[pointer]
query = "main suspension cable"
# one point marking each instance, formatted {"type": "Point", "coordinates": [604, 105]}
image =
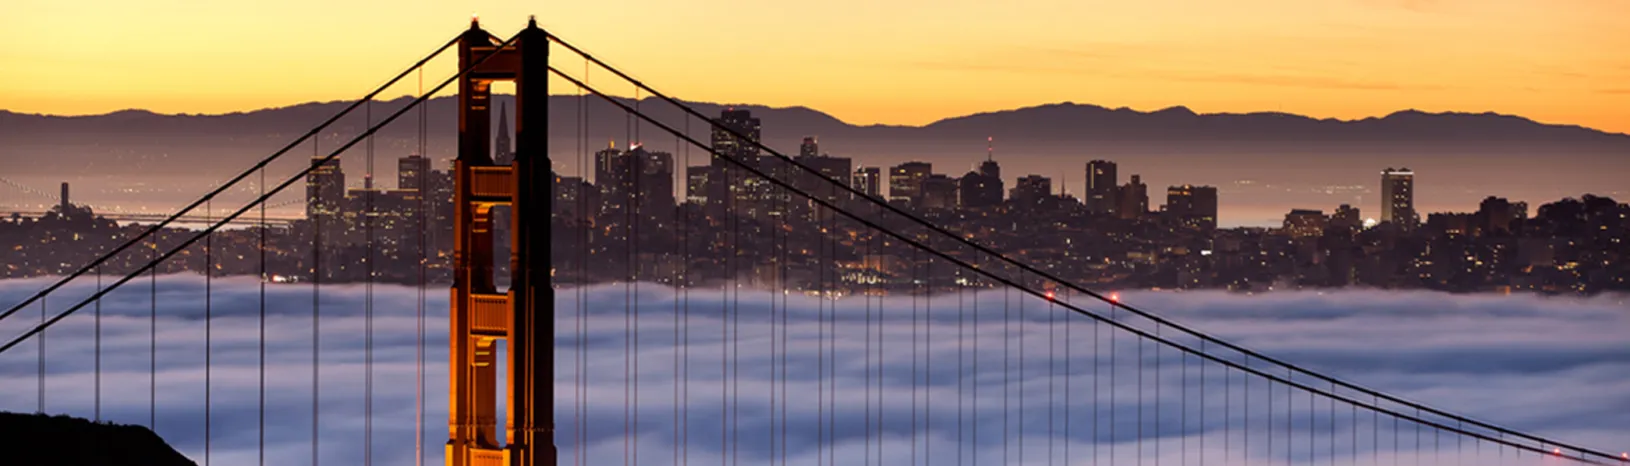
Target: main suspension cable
{"type": "Point", "coordinates": [1115, 303]}
{"type": "Point", "coordinates": [240, 211]}
{"type": "Point", "coordinates": [225, 186]}
{"type": "Point", "coordinates": [1140, 333]}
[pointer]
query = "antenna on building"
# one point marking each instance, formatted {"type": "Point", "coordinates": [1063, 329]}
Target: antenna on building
{"type": "Point", "coordinates": [990, 148]}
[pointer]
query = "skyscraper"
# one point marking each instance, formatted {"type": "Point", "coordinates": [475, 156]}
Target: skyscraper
{"type": "Point", "coordinates": [978, 190]}
{"type": "Point", "coordinates": [1101, 187]}
{"type": "Point", "coordinates": [727, 182]}
{"type": "Point", "coordinates": [1133, 199]}
{"type": "Point", "coordinates": [501, 152]}
{"type": "Point", "coordinates": [325, 188]}
{"type": "Point", "coordinates": [696, 183]}
{"type": "Point", "coordinates": [982, 187]}
{"type": "Point", "coordinates": [1305, 223]}
{"type": "Point", "coordinates": [1031, 190]}
{"type": "Point", "coordinates": [1398, 198]}
{"type": "Point", "coordinates": [836, 169]}
{"type": "Point", "coordinates": [906, 182]}
{"type": "Point", "coordinates": [411, 172]}
{"type": "Point", "coordinates": [869, 181]}
{"type": "Point", "coordinates": [809, 148]}
{"type": "Point", "coordinates": [939, 192]}
{"type": "Point", "coordinates": [1347, 217]}
{"type": "Point", "coordinates": [1194, 206]}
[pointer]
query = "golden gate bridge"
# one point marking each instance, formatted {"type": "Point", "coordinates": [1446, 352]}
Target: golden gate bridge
{"type": "Point", "coordinates": [520, 372]}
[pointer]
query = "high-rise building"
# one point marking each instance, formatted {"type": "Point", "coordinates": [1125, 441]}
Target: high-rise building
{"type": "Point", "coordinates": [939, 192]}
{"type": "Point", "coordinates": [809, 148]}
{"type": "Point", "coordinates": [575, 198]}
{"type": "Point", "coordinates": [325, 188]}
{"type": "Point", "coordinates": [727, 182]}
{"type": "Point", "coordinates": [613, 175]}
{"type": "Point", "coordinates": [696, 183]}
{"type": "Point", "coordinates": [1347, 217]}
{"type": "Point", "coordinates": [502, 153]}
{"type": "Point", "coordinates": [634, 182]}
{"type": "Point", "coordinates": [1496, 214]}
{"type": "Point", "coordinates": [1194, 206]}
{"type": "Point", "coordinates": [1133, 199]}
{"type": "Point", "coordinates": [977, 190]}
{"type": "Point", "coordinates": [1398, 198]}
{"type": "Point", "coordinates": [68, 206]}
{"type": "Point", "coordinates": [411, 172]}
{"type": "Point", "coordinates": [838, 170]}
{"type": "Point", "coordinates": [1031, 190]}
{"type": "Point", "coordinates": [869, 181]}
{"type": "Point", "coordinates": [1102, 187]}
{"type": "Point", "coordinates": [1304, 223]}
{"type": "Point", "coordinates": [906, 182]}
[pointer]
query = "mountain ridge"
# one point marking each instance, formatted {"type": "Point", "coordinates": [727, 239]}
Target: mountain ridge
{"type": "Point", "coordinates": [1079, 109]}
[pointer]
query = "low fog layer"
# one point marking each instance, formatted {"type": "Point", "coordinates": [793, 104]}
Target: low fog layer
{"type": "Point", "coordinates": [1557, 367]}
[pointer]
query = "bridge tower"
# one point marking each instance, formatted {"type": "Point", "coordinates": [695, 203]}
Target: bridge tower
{"type": "Point", "coordinates": [523, 316]}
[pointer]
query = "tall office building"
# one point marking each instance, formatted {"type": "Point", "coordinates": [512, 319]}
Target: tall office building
{"type": "Point", "coordinates": [325, 188]}
{"type": "Point", "coordinates": [1305, 223]}
{"type": "Point", "coordinates": [612, 174]}
{"type": "Point", "coordinates": [982, 187]}
{"type": "Point", "coordinates": [1398, 198]}
{"type": "Point", "coordinates": [502, 153]}
{"type": "Point", "coordinates": [1031, 190]}
{"type": "Point", "coordinates": [1133, 199]}
{"type": "Point", "coordinates": [634, 182]}
{"type": "Point", "coordinates": [727, 182]}
{"type": "Point", "coordinates": [906, 182]}
{"type": "Point", "coordinates": [978, 190]}
{"type": "Point", "coordinates": [1347, 217]}
{"type": "Point", "coordinates": [411, 172]}
{"type": "Point", "coordinates": [809, 148]}
{"type": "Point", "coordinates": [1102, 187]}
{"type": "Point", "coordinates": [836, 169]}
{"type": "Point", "coordinates": [869, 181]}
{"type": "Point", "coordinates": [696, 182]}
{"type": "Point", "coordinates": [939, 192]}
{"type": "Point", "coordinates": [1194, 206]}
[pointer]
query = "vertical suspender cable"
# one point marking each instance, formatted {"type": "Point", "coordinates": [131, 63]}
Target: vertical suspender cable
{"type": "Point", "coordinates": [261, 413]}
{"type": "Point", "coordinates": [423, 217]}
{"type": "Point", "coordinates": [316, 307]}
{"type": "Point", "coordinates": [368, 300]}
{"type": "Point", "coordinates": [961, 362]}
{"type": "Point", "coordinates": [40, 398]}
{"type": "Point", "coordinates": [637, 209]}
{"type": "Point", "coordinates": [678, 284]}
{"type": "Point", "coordinates": [209, 322]}
{"type": "Point", "coordinates": [1052, 385]}
{"type": "Point", "coordinates": [98, 347]}
{"type": "Point", "coordinates": [152, 343]}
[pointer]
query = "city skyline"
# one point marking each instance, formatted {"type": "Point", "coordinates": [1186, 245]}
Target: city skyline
{"type": "Point", "coordinates": [1555, 62]}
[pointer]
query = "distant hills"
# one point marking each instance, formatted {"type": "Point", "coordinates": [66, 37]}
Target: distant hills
{"type": "Point", "coordinates": [1052, 122]}
{"type": "Point", "coordinates": [27, 439]}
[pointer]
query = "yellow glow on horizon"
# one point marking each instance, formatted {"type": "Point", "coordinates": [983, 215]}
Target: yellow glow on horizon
{"type": "Point", "coordinates": [864, 61]}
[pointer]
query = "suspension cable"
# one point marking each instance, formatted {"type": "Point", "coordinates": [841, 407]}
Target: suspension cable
{"type": "Point", "coordinates": [1043, 274]}
{"type": "Point", "coordinates": [240, 211]}
{"type": "Point", "coordinates": [225, 186]}
{"type": "Point", "coordinates": [1140, 333]}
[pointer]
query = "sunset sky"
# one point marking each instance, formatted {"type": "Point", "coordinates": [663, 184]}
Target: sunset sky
{"type": "Point", "coordinates": [865, 61]}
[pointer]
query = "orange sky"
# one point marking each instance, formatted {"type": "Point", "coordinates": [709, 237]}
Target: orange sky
{"type": "Point", "coordinates": [865, 61]}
